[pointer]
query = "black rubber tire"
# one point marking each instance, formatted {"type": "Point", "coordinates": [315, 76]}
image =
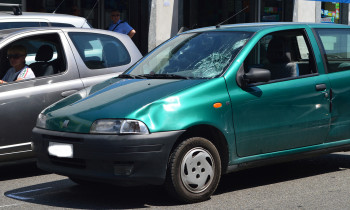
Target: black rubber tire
{"type": "Point", "coordinates": [202, 156]}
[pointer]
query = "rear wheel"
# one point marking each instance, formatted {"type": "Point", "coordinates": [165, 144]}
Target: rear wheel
{"type": "Point", "coordinates": [194, 170]}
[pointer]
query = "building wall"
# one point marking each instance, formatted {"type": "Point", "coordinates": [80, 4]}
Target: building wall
{"type": "Point", "coordinates": [158, 20]}
{"type": "Point", "coordinates": [163, 21]}
{"type": "Point", "coordinates": [306, 11]}
{"type": "Point", "coordinates": [167, 17]}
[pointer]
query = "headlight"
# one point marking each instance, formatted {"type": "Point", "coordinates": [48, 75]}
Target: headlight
{"type": "Point", "coordinates": [111, 126]}
{"type": "Point", "coordinates": [41, 121]}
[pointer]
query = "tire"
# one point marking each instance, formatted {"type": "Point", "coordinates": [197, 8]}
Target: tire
{"type": "Point", "coordinates": [194, 170]}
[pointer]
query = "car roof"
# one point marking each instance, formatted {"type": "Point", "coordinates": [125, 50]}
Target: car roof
{"type": "Point", "coordinates": [9, 32]}
{"type": "Point", "coordinates": [50, 17]}
{"type": "Point", "coordinates": [255, 27]}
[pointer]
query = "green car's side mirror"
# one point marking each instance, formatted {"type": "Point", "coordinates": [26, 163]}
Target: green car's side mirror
{"type": "Point", "coordinates": [255, 75]}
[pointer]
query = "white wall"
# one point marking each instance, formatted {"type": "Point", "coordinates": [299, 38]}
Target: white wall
{"type": "Point", "coordinates": [306, 11]}
{"type": "Point", "coordinates": [163, 21]}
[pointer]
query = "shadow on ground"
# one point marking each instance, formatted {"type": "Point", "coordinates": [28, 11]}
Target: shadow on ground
{"type": "Point", "coordinates": [17, 170]}
{"type": "Point", "coordinates": [283, 172]}
{"type": "Point", "coordinates": [66, 194]}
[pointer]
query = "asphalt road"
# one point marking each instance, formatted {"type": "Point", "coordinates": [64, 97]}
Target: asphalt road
{"type": "Point", "coordinates": [317, 183]}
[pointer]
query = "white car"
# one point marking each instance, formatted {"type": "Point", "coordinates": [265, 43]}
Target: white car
{"type": "Point", "coordinates": [19, 19]}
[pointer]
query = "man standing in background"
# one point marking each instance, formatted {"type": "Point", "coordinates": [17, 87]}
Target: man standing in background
{"type": "Point", "coordinates": [119, 25]}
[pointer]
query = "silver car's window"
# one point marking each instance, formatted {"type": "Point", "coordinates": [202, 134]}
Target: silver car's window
{"type": "Point", "coordinates": [100, 51]}
{"type": "Point", "coordinates": [45, 55]}
{"type": "Point", "coordinates": [33, 47]}
{"type": "Point", "coordinates": [194, 55]}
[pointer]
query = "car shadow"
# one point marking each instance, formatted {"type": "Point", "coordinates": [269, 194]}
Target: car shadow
{"type": "Point", "coordinates": [17, 170]}
{"type": "Point", "coordinates": [66, 194]}
{"type": "Point", "coordinates": [283, 172]}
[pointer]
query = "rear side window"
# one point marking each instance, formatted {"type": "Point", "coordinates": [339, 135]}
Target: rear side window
{"type": "Point", "coordinates": [100, 51]}
{"type": "Point", "coordinates": [336, 46]}
{"type": "Point", "coordinates": [61, 25]}
{"type": "Point", "coordinates": [8, 25]}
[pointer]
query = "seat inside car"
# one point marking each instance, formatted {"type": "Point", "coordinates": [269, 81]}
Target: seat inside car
{"type": "Point", "coordinates": [42, 66]}
{"type": "Point", "coordinates": [110, 55]}
{"type": "Point", "coordinates": [280, 59]}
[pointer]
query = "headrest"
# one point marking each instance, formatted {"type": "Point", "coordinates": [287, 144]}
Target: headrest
{"type": "Point", "coordinates": [109, 48]}
{"type": "Point", "coordinates": [278, 51]}
{"type": "Point", "coordinates": [111, 55]}
{"type": "Point", "coordinates": [45, 53]}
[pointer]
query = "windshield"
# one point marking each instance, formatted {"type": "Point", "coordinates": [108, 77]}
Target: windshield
{"type": "Point", "coordinates": [194, 55]}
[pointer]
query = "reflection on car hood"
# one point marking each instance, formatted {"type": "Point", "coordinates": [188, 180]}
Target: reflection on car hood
{"type": "Point", "coordinates": [117, 100]}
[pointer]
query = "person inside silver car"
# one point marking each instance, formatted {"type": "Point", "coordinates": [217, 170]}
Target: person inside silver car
{"type": "Point", "coordinates": [19, 70]}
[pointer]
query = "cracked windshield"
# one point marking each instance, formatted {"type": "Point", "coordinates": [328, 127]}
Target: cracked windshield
{"type": "Point", "coordinates": [193, 56]}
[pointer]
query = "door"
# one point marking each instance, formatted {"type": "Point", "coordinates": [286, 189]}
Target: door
{"type": "Point", "coordinates": [289, 111]}
{"type": "Point", "coordinates": [102, 56]}
{"type": "Point", "coordinates": [22, 101]}
{"type": "Point", "coordinates": [336, 48]}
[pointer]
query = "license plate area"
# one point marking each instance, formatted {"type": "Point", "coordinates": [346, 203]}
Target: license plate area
{"type": "Point", "coordinates": [61, 150]}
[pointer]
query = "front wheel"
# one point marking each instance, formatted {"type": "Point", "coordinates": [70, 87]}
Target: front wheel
{"type": "Point", "coordinates": [194, 170]}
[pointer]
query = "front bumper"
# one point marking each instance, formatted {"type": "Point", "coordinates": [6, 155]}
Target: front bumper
{"type": "Point", "coordinates": [103, 158]}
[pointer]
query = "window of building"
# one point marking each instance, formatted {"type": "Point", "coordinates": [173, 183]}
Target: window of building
{"type": "Point", "coordinates": [330, 12]}
{"type": "Point", "coordinates": [271, 11]}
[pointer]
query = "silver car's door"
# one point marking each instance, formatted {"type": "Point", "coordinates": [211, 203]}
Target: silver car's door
{"type": "Point", "coordinates": [22, 101]}
{"type": "Point", "coordinates": [102, 55]}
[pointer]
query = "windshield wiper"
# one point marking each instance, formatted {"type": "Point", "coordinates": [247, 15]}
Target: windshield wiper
{"type": "Point", "coordinates": [164, 76]}
{"type": "Point", "coordinates": [131, 76]}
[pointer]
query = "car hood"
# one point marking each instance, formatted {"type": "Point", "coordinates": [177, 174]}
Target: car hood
{"type": "Point", "coordinates": [115, 98]}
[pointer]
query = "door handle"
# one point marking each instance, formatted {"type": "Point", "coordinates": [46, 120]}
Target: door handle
{"type": "Point", "coordinates": [321, 87]}
{"type": "Point", "coordinates": [68, 93]}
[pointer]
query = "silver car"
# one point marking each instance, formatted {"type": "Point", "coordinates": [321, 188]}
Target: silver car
{"type": "Point", "coordinates": [64, 60]}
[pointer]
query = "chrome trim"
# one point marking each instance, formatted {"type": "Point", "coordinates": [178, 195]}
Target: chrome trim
{"type": "Point", "coordinates": [15, 145]}
{"type": "Point", "coordinates": [15, 152]}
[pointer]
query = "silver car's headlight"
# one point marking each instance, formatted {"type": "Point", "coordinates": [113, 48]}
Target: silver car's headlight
{"type": "Point", "coordinates": [113, 126]}
{"type": "Point", "coordinates": [41, 121]}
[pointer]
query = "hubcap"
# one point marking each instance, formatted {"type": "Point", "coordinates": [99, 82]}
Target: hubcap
{"type": "Point", "coordinates": [197, 170]}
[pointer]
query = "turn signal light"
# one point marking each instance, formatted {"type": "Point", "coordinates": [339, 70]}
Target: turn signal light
{"type": "Point", "coordinates": [217, 105]}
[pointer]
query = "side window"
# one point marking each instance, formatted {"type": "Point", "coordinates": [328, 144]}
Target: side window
{"type": "Point", "coordinates": [61, 25]}
{"type": "Point", "coordinates": [44, 24]}
{"type": "Point", "coordinates": [45, 55]}
{"type": "Point", "coordinates": [8, 25]}
{"type": "Point", "coordinates": [303, 49]}
{"type": "Point", "coordinates": [100, 51]}
{"type": "Point", "coordinates": [285, 54]}
{"type": "Point", "coordinates": [336, 47]}
{"type": "Point", "coordinates": [33, 47]}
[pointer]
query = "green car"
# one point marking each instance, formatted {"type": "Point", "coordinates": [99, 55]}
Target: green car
{"type": "Point", "coordinates": [204, 103]}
